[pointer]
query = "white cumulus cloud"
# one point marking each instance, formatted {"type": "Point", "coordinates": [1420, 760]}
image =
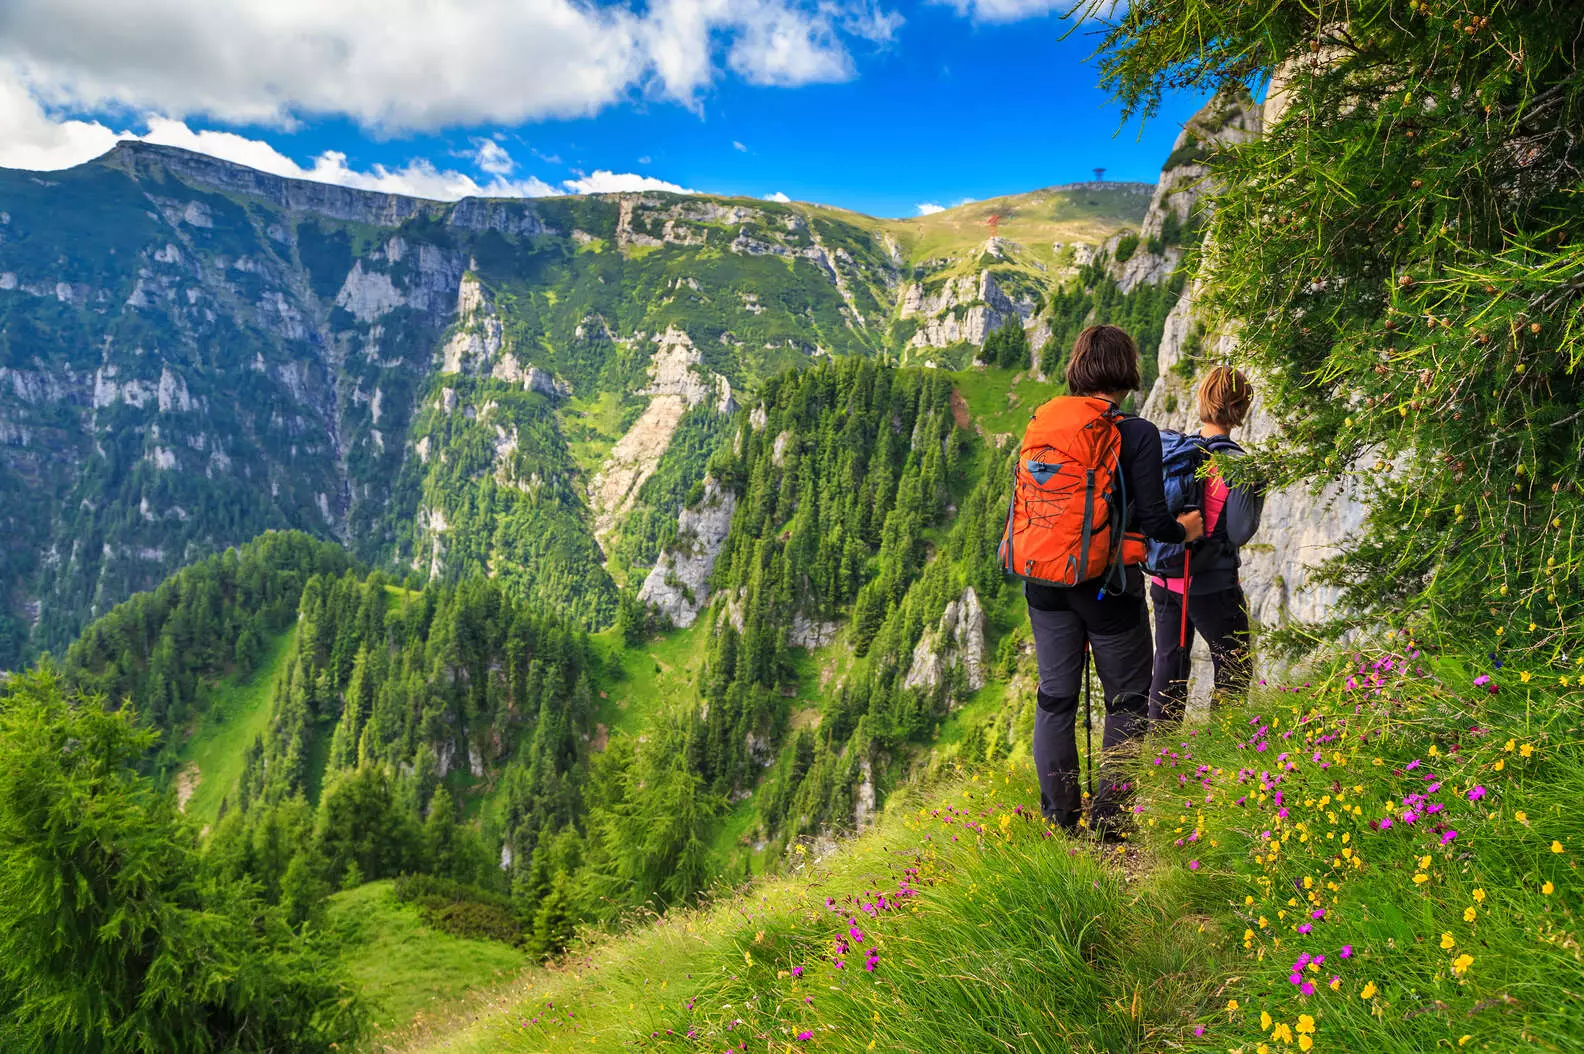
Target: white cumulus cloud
{"type": "Point", "coordinates": [778, 196]}
{"type": "Point", "coordinates": [416, 64]}
{"type": "Point", "coordinates": [491, 157]}
{"type": "Point", "coordinates": [740, 148]}
{"type": "Point", "coordinates": [929, 209]}
{"type": "Point", "coordinates": [603, 182]}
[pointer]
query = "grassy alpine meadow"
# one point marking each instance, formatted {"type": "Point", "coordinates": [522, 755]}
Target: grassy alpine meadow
{"type": "Point", "coordinates": [1383, 857]}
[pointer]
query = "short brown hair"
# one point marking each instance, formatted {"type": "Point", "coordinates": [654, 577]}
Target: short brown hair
{"type": "Point", "coordinates": [1224, 397]}
{"type": "Point", "coordinates": [1104, 359]}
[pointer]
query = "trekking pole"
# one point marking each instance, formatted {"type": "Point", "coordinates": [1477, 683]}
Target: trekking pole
{"type": "Point", "coordinates": [1088, 742]}
{"type": "Point", "coordinates": [1183, 667]}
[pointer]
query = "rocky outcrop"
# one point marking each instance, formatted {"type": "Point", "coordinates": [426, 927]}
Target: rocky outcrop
{"type": "Point", "coordinates": [967, 309]}
{"type": "Point", "coordinates": [809, 632]}
{"type": "Point", "coordinates": [1184, 184]}
{"type": "Point", "coordinates": [677, 382]}
{"type": "Point", "coordinates": [678, 585]}
{"type": "Point", "coordinates": [957, 641]}
{"type": "Point", "coordinates": [477, 345]}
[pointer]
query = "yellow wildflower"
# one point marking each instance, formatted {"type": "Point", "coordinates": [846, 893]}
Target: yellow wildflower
{"type": "Point", "coordinates": [1421, 879]}
{"type": "Point", "coordinates": [1556, 847]}
{"type": "Point", "coordinates": [1525, 677]}
{"type": "Point", "coordinates": [1304, 1042]}
{"type": "Point", "coordinates": [1521, 816]}
{"type": "Point", "coordinates": [1282, 1031]}
{"type": "Point", "coordinates": [1424, 862]}
{"type": "Point", "coordinates": [1463, 1040]}
{"type": "Point", "coordinates": [1461, 964]}
{"type": "Point", "coordinates": [1501, 763]}
{"type": "Point", "coordinates": [1305, 1024]}
{"type": "Point", "coordinates": [1548, 889]}
{"type": "Point", "coordinates": [1479, 896]}
{"type": "Point", "coordinates": [1265, 1021]}
{"type": "Point", "coordinates": [1468, 914]}
{"type": "Point", "coordinates": [1447, 941]}
{"type": "Point", "coordinates": [1526, 751]}
{"type": "Point", "coordinates": [1369, 990]}
{"type": "Point", "coordinates": [1232, 1004]}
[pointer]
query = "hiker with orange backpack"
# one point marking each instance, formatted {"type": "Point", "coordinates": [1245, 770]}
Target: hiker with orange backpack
{"type": "Point", "coordinates": [1087, 490]}
{"type": "Point", "coordinates": [1205, 574]}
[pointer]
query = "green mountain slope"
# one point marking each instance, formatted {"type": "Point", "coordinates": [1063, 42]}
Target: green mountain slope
{"type": "Point", "coordinates": [192, 352]}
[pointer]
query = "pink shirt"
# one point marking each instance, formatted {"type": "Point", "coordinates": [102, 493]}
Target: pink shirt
{"type": "Point", "coordinates": [1215, 499]}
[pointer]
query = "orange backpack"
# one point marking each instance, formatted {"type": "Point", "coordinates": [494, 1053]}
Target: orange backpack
{"type": "Point", "coordinates": [1069, 497]}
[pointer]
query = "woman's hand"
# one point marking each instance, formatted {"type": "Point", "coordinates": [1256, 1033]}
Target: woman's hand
{"type": "Point", "coordinates": [1192, 522]}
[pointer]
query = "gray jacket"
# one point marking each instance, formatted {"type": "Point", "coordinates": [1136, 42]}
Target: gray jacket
{"type": "Point", "coordinates": [1214, 566]}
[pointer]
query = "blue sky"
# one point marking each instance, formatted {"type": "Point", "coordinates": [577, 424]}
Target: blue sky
{"type": "Point", "coordinates": [871, 107]}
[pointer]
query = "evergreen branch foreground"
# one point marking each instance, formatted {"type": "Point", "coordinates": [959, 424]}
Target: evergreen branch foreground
{"type": "Point", "coordinates": [1385, 858]}
{"type": "Point", "coordinates": [115, 933]}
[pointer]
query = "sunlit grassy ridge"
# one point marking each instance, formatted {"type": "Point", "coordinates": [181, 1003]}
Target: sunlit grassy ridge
{"type": "Point", "coordinates": [1409, 831]}
{"type": "Point", "coordinates": [1037, 219]}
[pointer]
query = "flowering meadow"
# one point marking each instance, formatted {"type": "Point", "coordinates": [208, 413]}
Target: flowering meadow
{"type": "Point", "coordinates": [1384, 857]}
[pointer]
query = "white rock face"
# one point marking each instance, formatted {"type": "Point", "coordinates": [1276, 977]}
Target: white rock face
{"type": "Point", "coordinates": [968, 308]}
{"type": "Point", "coordinates": [676, 384]}
{"type": "Point", "coordinates": [959, 639]}
{"type": "Point", "coordinates": [479, 333]}
{"type": "Point", "coordinates": [811, 633]}
{"type": "Point", "coordinates": [173, 397]}
{"type": "Point", "coordinates": [678, 584]}
{"type": "Point", "coordinates": [1222, 121]}
{"type": "Point", "coordinates": [368, 295]}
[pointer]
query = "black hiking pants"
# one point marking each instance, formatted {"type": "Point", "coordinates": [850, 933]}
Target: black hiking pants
{"type": "Point", "coordinates": [1114, 628]}
{"type": "Point", "coordinates": [1222, 618]}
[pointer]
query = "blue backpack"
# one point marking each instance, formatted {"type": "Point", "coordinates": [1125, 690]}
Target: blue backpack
{"type": "Point", "coordinates": [1181, 456]}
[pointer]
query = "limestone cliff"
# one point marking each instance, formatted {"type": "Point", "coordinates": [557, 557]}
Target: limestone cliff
{"type": "Point", "coordinates": [678, 585]}
{"type": "Point", "coordinates": [1299, 528]}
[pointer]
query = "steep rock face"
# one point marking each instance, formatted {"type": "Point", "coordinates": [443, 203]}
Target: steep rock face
{"type": "Point", "coordinates": [678, 585]}
{"type": "Point", "coordinates": [958, 640]}
{"type": "Point", "coordinates": [1174, 209]}
{"type": "Point", "coordinates": [966, 309]}
{"type": "Point", "coordinates": [1299, 528]}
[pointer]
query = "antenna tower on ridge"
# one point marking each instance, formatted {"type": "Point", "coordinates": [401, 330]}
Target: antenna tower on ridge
{"type": "Point", "coordinates": [1099, 175]}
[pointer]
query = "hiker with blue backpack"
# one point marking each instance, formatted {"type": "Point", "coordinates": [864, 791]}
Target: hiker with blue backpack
{"type": "Point", "coordinates": [1087, 490]}
{"type": "Point", "coordinates": [1206, 572]}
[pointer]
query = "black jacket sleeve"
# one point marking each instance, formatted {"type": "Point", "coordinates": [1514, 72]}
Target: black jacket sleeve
{"type": "Point", "coordinates": [1146, 491]}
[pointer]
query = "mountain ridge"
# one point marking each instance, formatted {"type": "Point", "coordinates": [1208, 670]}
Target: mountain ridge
{"type": "Point", "coordinates": [129, 154]}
